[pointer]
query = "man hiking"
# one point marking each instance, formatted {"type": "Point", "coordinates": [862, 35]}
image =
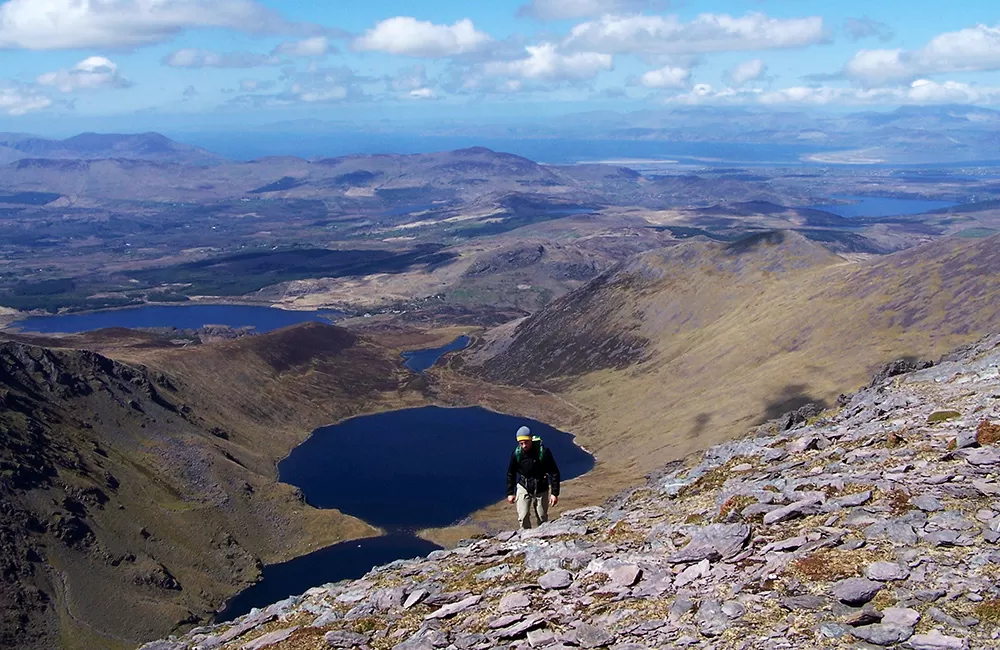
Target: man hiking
{"type": "Point", "coordinates": [532, 478]}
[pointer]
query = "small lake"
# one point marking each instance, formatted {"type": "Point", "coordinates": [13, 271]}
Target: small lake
{"type": "Point", "coordinates": [344, 561]}
{"type": "Point", "coordinates": [261, 319]}
{"type": "Point", "coordinates": [421, 360]}
{"type": "Point", "coordinates": [400, 471]}
{"type": "Point", "coordinates": [878, 206]}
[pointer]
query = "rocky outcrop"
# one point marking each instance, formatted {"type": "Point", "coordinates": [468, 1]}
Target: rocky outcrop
{"type": "Point", "coordinates": [872, 526]}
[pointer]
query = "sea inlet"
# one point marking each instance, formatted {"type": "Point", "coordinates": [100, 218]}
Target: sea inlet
{"type": "Point", "coordinates": [401, 471]}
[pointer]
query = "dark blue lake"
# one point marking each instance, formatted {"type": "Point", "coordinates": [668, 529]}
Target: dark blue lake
{"type": "Point", "coordinates": [418, 468]}
{"type": "Point", "coordinates": [877, 206]}
{"type": "Point", "coordinates": [344, 561]}
{"type": "Point", "coordinates": [262, 319]}
{"type": "Point", "coordinates": [401, 471]}
{"type": "Point", "coordinates": [421, 360]}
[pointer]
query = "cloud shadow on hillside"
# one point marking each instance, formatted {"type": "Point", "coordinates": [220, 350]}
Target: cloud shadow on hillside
{"type": "Point", "coordinates": [791, 398]}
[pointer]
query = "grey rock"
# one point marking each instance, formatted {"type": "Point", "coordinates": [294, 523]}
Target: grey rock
{"type": "Point", "coordinates": [418, 641]}
{"type": "Point", "coordinates": [929, 595]}
{"type": "Point", "coordinates": [455, 608]}
{"type": "Point", "coordinates": [269, 639]}
{"type": "Point", "coordinates": [867, 615]}
{"type": "Point", "coordinates": [951, 520]}
{"type": "Point", "coordinates": [856, 591]}
{"type": "Point", "coordinates": [808, 602]}
{"type": "Point", "coordinates": [987, 488]}
{"type": "Point", "coordinates": [165, 645]}
{"type": "Point", "coordinates": [681, 606]}
{"type": "Point", "coordinates": [541, 638]}
{"type": "Point", "coordinates": [883, 634]}
{"type": "Point", "coordinates": [926, 502]}
{"type": "Point", "coordinates": [389, 599]}
{"type": "Point", "coordinates": [734, 609]}
{"type": "Point", "coordinates": [344, 639]}
{"type": "Point", "coordinates": [589, 636]}
{"type": "Point", "coordinates": [942, 538]}
{"type": "Point", "coordinates": [505, 621]}
{"type": "Point", "coordinates": [520, 629]}
{"type": "Point", "coordinates": [982, 456]}
{"type": "Point", "coordinates": [849, 500]}
{"type": "Point", "coordinates": [558, 579]}
{"type": "Point", "coordinates": [783, 545]}
{"type": "Point", "coordinates": [415, 597]}
{"type": "Point", "coordinates": [936, 641]}
{"type": "Point", "coordinates": [966, 438]}
{"type": "Point", "coordinates": [715, 541]}
{"type": "Point", "coordinates": [898, 532]}
{"type": "Point", "coordinates": [325, 619]}
{"type": "Point", "coordinates": [901, 616]}
{"type": "Point", "coordinates": [493, 572]}
{"type": "Point", "coordinates": [832, 630]}
{"type": "Point", "coordinates": [625, 576]}
{"type": "Point", "coordinates": [886, 571]}
{"type": "Point", "coordinates": [468, 641]}
{"type": "Point", "coordinates": [712, 621]}
{"type": "Point", "coordinates": [692, 573]}
{"type": "Point", "coordinates": [513, 601]}
{"type": "Point", "coordinates": [802, 508]}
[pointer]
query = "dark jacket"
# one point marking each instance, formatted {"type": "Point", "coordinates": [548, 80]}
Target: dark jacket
{"type": "Point", "coordinates": [535, 475]}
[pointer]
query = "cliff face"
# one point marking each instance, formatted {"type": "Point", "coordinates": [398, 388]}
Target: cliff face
{"type": "Point", "coordinates": [871, 524]}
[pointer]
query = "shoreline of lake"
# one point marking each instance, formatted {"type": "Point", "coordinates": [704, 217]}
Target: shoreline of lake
{"type": "Point", "coordinates": [259, 317]}
{"type": "Point", "coordinates": [409, 500]}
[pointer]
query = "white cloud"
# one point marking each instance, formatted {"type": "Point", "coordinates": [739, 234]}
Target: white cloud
{"type": "Point", "coordinates": [921, 91]}
{"type": "Point", "coordinates": [747, 71]}
{"type": "Point", "coordinates": [567, 9]}
{"type": "Point", "coordinates": [92, 73]}
{"type": "Point", "coordinates": [546, 62]}
{"type": "Point", "coordinates": [70, 24]}
{"type": "Point", "coordinates": [972, 49]}
{"type": "Point", "coordinates": [19, 101]}
{"type": "Point", "coordinates": [412, 37]}
{"type": "Point", "coordinates": [422, 93]}
{"type": "Point", "coordinates": [667, 77]}
{"type": "Point", "coordinates": [315, 46]}
{"type": "Point", "coordinates": [641, 34]}
{"type": "Point", "coordinates": [195, 58]}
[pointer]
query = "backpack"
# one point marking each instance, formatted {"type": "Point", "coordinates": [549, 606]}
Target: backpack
{"type": "Point", "coordinates": [535, 440]}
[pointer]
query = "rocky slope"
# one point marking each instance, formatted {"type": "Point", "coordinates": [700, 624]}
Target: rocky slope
{"type": "Point", "coordinates": [872, 524]}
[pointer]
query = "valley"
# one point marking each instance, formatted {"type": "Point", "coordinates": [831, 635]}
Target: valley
{"type": "Point", "coordinates": [651, 313]}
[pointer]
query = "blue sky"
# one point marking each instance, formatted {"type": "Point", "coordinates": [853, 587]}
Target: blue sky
{"type": "Point", "coordinates": [71, 65]}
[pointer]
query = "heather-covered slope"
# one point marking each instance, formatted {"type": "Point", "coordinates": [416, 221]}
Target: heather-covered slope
{"type": "Point", "coordinates": [678, 349]}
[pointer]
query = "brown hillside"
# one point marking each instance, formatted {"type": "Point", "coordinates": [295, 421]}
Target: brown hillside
{"type": "Point", "coordinates": [679, 349]}
{"type": "Point", "coordinates": [146, 485]}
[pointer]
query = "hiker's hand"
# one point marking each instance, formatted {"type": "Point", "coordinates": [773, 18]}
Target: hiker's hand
{"type": "Point", "coordinates": [553, 499]}
{"type": "Point", "coordinates": [510, 499]}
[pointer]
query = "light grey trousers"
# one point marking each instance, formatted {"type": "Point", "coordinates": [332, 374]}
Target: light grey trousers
{"type": "Point", "coordinates": [527, 503]}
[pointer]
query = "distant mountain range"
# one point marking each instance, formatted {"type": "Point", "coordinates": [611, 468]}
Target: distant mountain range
{"type": "Point", "coordinates": [98, 146]}
{"type": "Point", "coordinates": [909, 134]}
